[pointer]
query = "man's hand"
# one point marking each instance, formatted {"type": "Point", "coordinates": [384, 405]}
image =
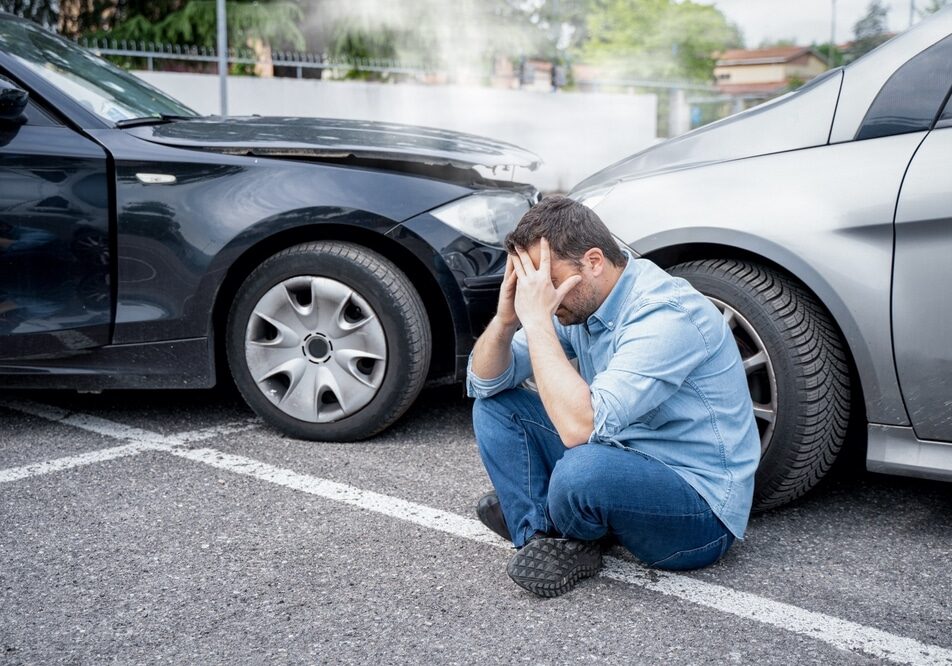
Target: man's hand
{"type": "Point", "coordinates": [536, 298]}
{"type": "Point", "coordinates": [506, 309]}
{"type": "Point", "coordinates": [492, 353]}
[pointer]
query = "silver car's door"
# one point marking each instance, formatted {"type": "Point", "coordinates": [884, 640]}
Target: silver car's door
{"type": "Point", "coordinates": [922, 286]}
{"type": "Point", "coordinates": [912, 102]}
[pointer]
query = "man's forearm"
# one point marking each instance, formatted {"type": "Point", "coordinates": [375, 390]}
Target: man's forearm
{"type": "Point", "coordinates": [565, 395]}
{"type": "Point", "coordinates": [493, 351]}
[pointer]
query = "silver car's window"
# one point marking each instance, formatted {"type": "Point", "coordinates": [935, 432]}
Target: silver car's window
{"type": "Point", "coordinates": [107, 91]}
{"type": "Point", "coordinates": [911, 99]}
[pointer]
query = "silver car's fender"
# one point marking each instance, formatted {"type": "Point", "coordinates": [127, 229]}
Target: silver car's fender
{"type": "Point", "coordinates": [823, 214]}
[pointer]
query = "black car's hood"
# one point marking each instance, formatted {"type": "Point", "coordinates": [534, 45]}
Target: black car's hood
{"type": "Point", "coordinates": [336, 138]}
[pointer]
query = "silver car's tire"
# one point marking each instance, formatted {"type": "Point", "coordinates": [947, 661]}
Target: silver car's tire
{"type": "Point", "coordinates": [797, 371]}
{"type": "Point", "coordinates": [328, 341]}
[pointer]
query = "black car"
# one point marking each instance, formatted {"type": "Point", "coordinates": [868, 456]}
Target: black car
{"type": "Point", "coordinates": [331, 266]}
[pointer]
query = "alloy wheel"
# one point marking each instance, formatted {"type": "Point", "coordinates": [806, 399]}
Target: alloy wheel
{"type": "Point", "coordinates": [761, 379]}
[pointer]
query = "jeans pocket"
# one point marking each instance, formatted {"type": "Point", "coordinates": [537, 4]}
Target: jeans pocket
{"type": "Point", "coordinates": [696, 558]}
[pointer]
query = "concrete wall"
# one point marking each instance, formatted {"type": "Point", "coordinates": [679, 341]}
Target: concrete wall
{"type": "Point", "coordinates": [575, 134]}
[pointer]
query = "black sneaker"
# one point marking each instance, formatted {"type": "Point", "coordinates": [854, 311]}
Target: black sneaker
{"type": "Point", "coordinates": [490, 515]}
{"type": "Point", "coordinates": [550, 567]}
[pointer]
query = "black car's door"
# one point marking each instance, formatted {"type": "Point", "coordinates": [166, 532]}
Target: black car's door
{"type": "Point", "coordinates": [54, 239]}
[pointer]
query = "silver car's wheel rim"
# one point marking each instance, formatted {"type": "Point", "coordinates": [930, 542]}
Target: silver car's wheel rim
{"type": "Point", "coordinates": [316, 349]}
{"type": "Point", "coordinates": [761, 379]}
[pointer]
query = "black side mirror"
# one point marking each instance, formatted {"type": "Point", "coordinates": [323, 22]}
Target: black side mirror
{"type": "Point", "coordinates": [12, 100]}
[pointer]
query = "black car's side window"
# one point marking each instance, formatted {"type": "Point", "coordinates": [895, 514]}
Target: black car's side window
{"type": "Point", "coordinates": [38, 117]}
{"type": "Point", "coordinates": [35, 114]}
{"type": "Point", "coordinates": [913, 96]}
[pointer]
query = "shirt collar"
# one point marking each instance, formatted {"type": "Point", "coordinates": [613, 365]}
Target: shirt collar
{"type": "Point", "coordinates": [607, 313]}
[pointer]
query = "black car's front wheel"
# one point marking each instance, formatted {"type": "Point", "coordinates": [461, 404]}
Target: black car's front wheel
{"type": "Point", "coordinates": [796, 366]}
{"type": "Point", "coordinates": [328, 341]}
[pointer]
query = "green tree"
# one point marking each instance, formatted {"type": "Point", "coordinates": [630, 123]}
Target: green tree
{"type": "Point", "coordinates": [44, 12]}
{"type": "Point", "coordinates": [871, 30]}
{"type": "Point", "coordinates": [658, 39]}
{"type": "Point", "coordinates": [560, 26]}
{"type": "Point", "coordinates": [274, 24]}
{"type": "Point", "coordinates": [933, 7]}
{"type": "Point", "coordinates": [459, 36]}
{"type": "Point", "coordinates": [832, 53]}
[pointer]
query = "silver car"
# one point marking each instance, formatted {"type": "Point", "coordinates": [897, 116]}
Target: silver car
{"type": "Point", "coordinates": [821, 225]}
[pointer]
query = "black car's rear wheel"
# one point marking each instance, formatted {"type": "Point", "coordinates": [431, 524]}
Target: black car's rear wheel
{"type": "Point", "coordinates": [796, 367]}
{"type": "Point", "coordinates": [328, 341]}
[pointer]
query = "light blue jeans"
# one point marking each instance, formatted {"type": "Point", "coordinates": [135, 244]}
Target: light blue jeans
{"type": "Point", "coordinates": [591, 490]}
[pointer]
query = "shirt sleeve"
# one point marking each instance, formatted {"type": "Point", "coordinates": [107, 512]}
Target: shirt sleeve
{"type": "Point", "coordinates": [519, 369]}
{"type": "Point", "coordinates": [656, 351]}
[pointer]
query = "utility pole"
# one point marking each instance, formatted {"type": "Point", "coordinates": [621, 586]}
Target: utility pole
{"type": "Point", "coordinates": [222, 56]}
{"type": "Point", "coordinates": [830, 64]}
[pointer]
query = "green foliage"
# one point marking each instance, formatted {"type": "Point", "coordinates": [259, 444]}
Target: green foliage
{"type": "Point", "coordinates": [934, 6]}
{"type": "Point", "coordinates": [657, 39]}
{"type": "Point", "coordinates": [831, 52]}
{"type": "Point", "coordinates": [461, 37]}
{"type": "Point", "coordinates": [43, 12]}
{"type": "Point", "coordinates": [274, 23]}
{"type": "Point", "coordinates": [871, 30]}
{"type": "Point", "coordinates": [354, 43]}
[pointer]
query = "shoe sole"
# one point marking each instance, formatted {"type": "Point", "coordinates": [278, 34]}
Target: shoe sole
{"type": "Point", "coordinates": [531, 567]}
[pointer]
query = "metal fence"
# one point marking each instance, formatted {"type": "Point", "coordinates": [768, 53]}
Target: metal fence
{"type": "Point", "coordinates": [676, 112]}
{"type": "Point", "coordinates": [150, 52]}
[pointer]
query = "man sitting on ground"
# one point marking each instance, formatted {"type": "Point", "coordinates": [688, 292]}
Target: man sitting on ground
{"type": "Point", "coordinates": [652, 441]}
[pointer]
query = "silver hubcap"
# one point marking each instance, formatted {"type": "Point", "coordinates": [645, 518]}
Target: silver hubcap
{"type": "Point", "coordinates": [759, 368]}
{"type": "Point", "coordinates": [316, 349]}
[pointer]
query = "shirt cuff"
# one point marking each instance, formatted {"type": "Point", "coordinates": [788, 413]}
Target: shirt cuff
{"type": "Point", "coordinates": [607, 421]}
{"type": "Point", "coordinates": [477, 387]}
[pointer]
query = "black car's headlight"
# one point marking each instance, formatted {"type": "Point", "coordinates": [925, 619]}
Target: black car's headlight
{"type": "Point", "coordinates": [484, 216]}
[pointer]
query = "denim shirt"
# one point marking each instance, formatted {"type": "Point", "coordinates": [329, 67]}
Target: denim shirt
{"type": "Point", "coordinates": [666, 380]}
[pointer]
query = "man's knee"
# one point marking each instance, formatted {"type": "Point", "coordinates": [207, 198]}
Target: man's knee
{"type": "Point", "coordinates": [575, 474]}
{"type": "Point", "coordinates": [573, 493]}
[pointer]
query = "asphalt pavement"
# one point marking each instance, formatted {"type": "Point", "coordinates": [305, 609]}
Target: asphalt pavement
{"type": "Point", "coordinates": [173, 527]}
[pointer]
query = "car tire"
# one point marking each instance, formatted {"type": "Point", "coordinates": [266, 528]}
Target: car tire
{"type": "Point", "coordinates": [798, 372]}
{"type": "Point", "coordinates": [328, 341]}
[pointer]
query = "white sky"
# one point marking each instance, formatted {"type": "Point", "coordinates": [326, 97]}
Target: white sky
{"type": "Point", "coordinates": [805, 21]}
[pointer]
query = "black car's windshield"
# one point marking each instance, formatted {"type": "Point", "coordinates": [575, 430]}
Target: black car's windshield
{"type": "Point", "coordinates": [104, 89]}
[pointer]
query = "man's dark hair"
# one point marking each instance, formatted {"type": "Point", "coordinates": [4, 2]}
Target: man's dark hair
{"type": "Point", "coordinates": [571, 228]}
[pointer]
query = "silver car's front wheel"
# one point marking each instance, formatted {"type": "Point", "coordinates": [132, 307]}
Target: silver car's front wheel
{"type": "Point", "coordinates": [797, 371]}
{"type": "Point", "coordinates": [328, 341]}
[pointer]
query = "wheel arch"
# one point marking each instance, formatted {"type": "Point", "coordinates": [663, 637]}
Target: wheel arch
{"type": "Point", "coordinates": [669, 255]}
{"type": "Point", "coordinates": [437, 308]}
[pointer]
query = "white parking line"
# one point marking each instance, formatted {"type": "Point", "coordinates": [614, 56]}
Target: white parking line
{"type": "Point", "coordinates": [68, 462]}
{"type": "Point", "coordinates": [141, 440]}
{"type": "Point", "coordinates": [426, 516]}
{"type": "Point", "coordinates": [839, 633]}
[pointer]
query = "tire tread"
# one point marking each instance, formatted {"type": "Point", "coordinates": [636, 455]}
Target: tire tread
{"type": "Point", "coordinates": [822, 374]}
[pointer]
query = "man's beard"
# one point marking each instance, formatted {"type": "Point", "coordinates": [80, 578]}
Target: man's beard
{"type": "Point", "coordinates": [581, 309]}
